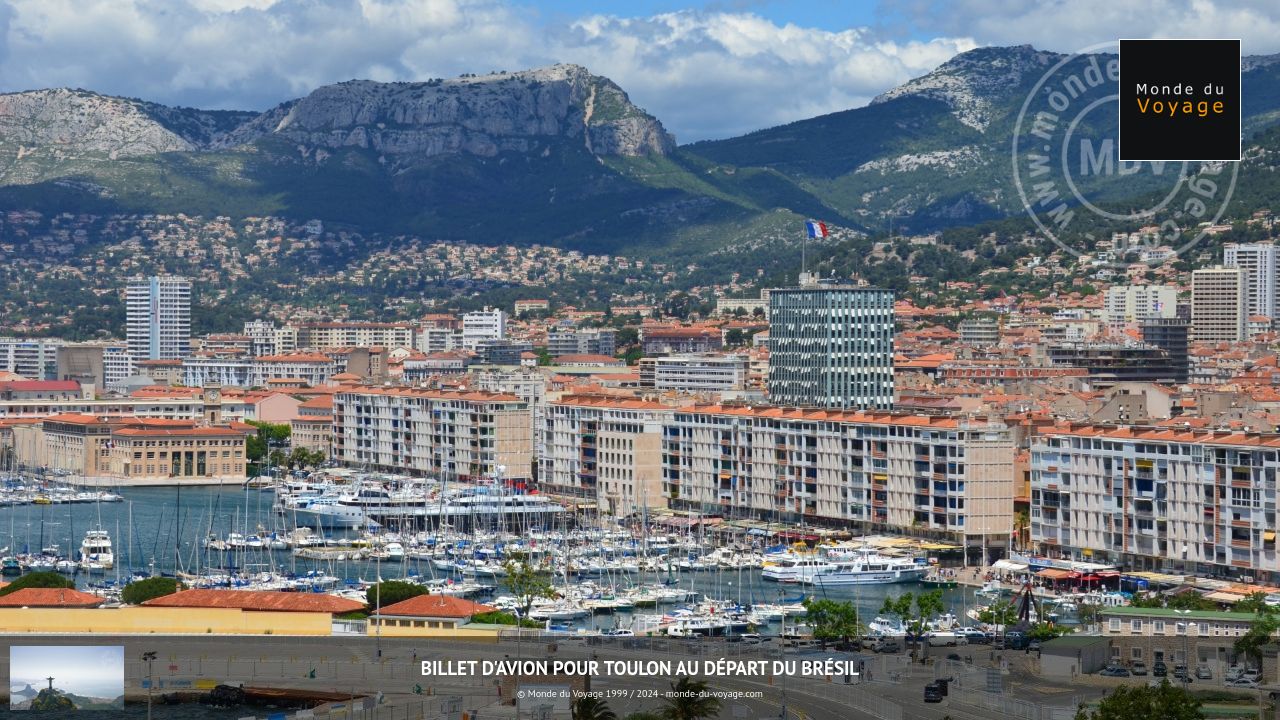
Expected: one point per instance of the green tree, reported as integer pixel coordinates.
(1131, 702)
(1147, 600)
(927, 605)
(38, 580)
(1190, 601)
(140, 591)
(1260, 633)
(831, 619)
(644, 715)
(588, 707)
(735, 337)
(526, 581)
(268, 433)
(390, 592)
(1255, 603)
(689, 700)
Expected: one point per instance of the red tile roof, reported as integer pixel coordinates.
(257, 600)
(49, 597)
(436, 606)
(40, 386)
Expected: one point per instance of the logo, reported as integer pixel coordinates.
(1070, 179)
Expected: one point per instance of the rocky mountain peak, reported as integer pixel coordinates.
(971, 82)
(475, 114)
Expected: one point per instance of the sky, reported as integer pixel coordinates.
(91, 671)
(706, 68)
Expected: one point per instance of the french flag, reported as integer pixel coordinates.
(816, 229)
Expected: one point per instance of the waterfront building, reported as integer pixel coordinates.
(604, 451)
(875, 471)
(159, 318)
(1219, 304)
(1168, 635)
(1259, 262)
(1167, 499)
(706, 372)
(134, 451)
(312, 427)
(831, 346)
(469, 435)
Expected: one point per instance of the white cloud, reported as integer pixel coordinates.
(704, 74)
(712, 74)
(1066, 26)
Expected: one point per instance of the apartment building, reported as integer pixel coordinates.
(1126, 304)
(33, 359)
(312, 427)
(878, 471)
(980, 331)
(1219, 304)
(1173, 499)
(474, 436)
(354, 334)
(159, 318)
(591, 341)
(486, 324)
(1259, 262)
(707, 372)
(605, 451)
(312, 369)
(676, 340)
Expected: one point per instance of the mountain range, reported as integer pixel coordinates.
(555, 156)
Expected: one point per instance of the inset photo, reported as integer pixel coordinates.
(66, 677)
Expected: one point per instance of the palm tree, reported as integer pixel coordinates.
(689, 700)
(591, 708)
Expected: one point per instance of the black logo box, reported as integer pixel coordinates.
(1187, 69)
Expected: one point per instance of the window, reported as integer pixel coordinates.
(1135, 625)
(1136, 653)
(1114, 625)
(1159, 627)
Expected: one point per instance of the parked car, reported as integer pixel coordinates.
(973, 635)
(932, 693)
(1233, 672)
(1113, 671)
(1203, 672)
(1252, 675)
(1241, 682)
(1159, 669)
(947, 639)
(1137, 667)
(1180, 672)
(955, 656)
(887, 645)
(1034, 646)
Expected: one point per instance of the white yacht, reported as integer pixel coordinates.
(791, 569)
(867, 568)
(95, 551)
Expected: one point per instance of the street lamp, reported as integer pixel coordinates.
(149, 658)
(1186, 659)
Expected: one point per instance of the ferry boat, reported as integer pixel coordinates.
(791, 569)
(868, 568)
(371, 506)
(95, 551)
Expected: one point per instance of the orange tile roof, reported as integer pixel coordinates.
(257, 600)
(477, 395)
(436, 606)
(179, 432)
(49, 597)
(318, 402)
(295, 357)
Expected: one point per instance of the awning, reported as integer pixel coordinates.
(1054, 574)
(1268, 535)
(757, 531)
(1008, 565)
(1224, 597)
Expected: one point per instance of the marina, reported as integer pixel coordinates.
(619, 579)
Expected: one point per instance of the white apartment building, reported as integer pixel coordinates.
(1179, 500)
(32, 358)
(878, 470)
(530, 386)
(486, 324)
(312, 369)
(159, 318)
(438, 339)
(605, 451)
(1219, 304)
(198, 371)
(1259, 261)
(1128, 304)
(702, 372)
(471, 436)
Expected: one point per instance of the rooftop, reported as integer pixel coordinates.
(436, 606)
(257, 600)
(49, 597)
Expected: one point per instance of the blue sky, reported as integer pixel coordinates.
(96, 671)
(706, 69)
